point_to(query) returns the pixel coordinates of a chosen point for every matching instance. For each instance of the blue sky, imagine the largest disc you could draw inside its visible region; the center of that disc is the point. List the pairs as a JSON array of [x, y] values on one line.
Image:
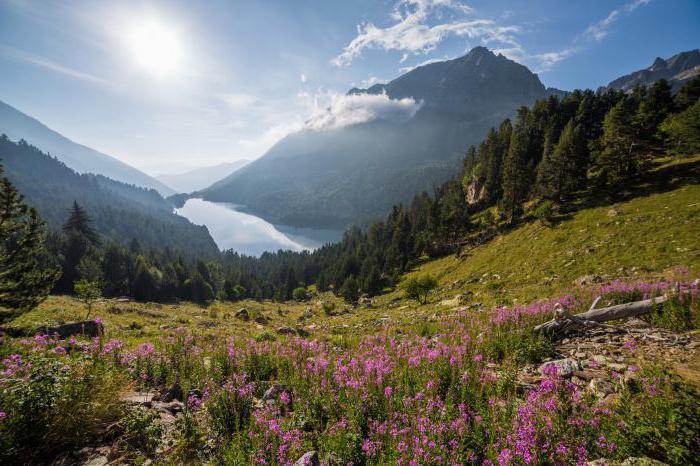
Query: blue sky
[[225, 79]]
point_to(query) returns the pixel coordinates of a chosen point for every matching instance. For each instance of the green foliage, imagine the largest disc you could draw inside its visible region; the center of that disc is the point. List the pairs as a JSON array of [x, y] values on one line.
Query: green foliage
[[544, 212], [622, 146], [300, 294], [419, 288], [661, 419], [25, 277], [350, 291], [88, 292], [142, 430], [683, 129]]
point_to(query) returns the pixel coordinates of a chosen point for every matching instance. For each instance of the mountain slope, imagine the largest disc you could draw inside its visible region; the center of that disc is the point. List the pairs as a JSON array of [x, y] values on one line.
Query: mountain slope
[[649, 233], [16, 125], [200, 178], [677, 70], [121, 212], [341, 175]]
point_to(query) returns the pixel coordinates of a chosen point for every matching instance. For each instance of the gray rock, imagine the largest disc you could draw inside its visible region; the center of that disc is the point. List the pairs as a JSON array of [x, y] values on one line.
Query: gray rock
[[242, 314], [308, 459], [641, 461], [286, 331], [96, 461], [601, 387], [565, 367], [274, 391]]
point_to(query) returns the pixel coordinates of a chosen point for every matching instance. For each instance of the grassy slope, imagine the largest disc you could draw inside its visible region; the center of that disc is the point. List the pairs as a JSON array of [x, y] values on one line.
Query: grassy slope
[[642, 236]]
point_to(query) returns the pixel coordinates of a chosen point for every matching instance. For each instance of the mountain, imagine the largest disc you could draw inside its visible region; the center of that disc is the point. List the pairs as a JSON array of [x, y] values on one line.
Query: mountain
[[677, 70], [16, 125], [121, 212], [343, 174], [200, 178]]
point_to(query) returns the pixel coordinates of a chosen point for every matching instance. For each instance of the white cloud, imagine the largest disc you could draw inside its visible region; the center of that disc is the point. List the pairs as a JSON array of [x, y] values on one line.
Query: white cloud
[[340, 110], [412, 33], [598, 31], [406, 69], [371, 81]]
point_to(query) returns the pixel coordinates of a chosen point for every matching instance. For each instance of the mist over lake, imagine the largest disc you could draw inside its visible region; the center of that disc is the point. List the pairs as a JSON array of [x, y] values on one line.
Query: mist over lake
[[251, 235]]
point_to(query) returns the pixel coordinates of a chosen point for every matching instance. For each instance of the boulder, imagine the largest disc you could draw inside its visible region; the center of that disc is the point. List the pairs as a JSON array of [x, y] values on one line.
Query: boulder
[[286, 331], [308, 459], [88, 328], [242, 314], [261, 319]]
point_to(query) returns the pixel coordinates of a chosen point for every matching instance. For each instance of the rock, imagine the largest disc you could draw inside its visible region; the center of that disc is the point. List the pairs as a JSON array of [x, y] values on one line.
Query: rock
[[586, 280], [172, 393], [641, 461], [89, 328], [693, 345], [617, 367], [365, 301], [588, 375], [138, 397], [99, 460], [286, 331], [601, 387], [302, 332], [242, 314], [261, 319], [308, 459], [172, 407], [565, 367]]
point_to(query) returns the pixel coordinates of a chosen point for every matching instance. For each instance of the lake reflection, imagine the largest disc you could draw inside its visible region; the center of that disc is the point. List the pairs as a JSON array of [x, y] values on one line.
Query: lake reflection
[[249, 234]]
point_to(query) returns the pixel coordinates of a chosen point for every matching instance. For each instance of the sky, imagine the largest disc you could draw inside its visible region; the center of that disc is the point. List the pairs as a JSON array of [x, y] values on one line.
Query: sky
[[168, 86]]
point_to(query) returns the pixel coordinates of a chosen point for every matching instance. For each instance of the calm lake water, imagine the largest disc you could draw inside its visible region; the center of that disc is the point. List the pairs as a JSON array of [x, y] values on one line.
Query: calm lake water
[[249, 234]]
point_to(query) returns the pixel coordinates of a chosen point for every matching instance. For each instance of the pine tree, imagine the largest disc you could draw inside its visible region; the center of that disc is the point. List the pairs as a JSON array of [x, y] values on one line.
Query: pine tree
[[79, 222], [621, 155], [25, 280], [688, 94], [564, 166], [516, 182]]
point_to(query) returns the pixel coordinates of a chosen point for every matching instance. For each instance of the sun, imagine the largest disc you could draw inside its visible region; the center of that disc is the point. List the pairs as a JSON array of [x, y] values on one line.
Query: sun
[[155, 47]]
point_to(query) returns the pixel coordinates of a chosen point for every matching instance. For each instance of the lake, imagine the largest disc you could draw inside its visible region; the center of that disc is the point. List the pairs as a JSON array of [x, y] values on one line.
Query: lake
[[251, 235]]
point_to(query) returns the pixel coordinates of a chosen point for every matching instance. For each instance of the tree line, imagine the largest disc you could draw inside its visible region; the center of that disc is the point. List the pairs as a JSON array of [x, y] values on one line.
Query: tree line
[[549, 154]]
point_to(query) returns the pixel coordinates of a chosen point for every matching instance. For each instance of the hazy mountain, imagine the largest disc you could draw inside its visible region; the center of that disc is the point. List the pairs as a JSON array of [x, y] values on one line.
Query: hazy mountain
[[16, 125], [354, 163], [120, 211], [677, 70], [200, 178]]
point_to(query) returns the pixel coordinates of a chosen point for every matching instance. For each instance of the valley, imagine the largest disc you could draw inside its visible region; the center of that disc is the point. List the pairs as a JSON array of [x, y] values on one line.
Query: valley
[[456, 265]]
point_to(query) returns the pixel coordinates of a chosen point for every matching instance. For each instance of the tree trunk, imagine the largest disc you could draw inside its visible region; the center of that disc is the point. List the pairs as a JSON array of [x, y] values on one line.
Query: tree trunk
[[619, 311]]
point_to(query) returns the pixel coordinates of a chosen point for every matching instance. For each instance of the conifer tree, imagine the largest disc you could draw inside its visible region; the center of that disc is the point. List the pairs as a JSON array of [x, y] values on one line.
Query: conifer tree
[[25, 280], [564, 166], [621, 155], [515, 183]]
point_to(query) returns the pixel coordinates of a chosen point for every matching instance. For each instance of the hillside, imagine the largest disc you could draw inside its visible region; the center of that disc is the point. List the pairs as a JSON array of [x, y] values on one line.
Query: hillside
[[654, 230], [16, 125], [121, 212], [200, 178], [333, 175]]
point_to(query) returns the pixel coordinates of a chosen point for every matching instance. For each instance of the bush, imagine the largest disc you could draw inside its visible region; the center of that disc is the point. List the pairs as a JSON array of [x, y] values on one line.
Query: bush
[[300, 294], [544, 212], [419, 288]]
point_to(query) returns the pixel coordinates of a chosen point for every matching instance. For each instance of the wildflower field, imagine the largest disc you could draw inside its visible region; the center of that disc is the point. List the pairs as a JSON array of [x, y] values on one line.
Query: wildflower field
[[430, 393]]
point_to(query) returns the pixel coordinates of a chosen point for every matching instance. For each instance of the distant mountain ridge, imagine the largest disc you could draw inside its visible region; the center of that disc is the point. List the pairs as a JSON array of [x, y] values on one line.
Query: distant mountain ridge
[[677, 70], [17, 125], [336, 177], [200, 178], [120, 211]]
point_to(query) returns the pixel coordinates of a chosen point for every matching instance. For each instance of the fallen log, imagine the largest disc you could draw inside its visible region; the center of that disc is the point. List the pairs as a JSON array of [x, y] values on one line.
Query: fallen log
[[604, 314]]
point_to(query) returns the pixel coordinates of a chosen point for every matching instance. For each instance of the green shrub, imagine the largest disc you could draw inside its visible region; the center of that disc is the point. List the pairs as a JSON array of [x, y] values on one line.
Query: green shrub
[[419, 288]]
